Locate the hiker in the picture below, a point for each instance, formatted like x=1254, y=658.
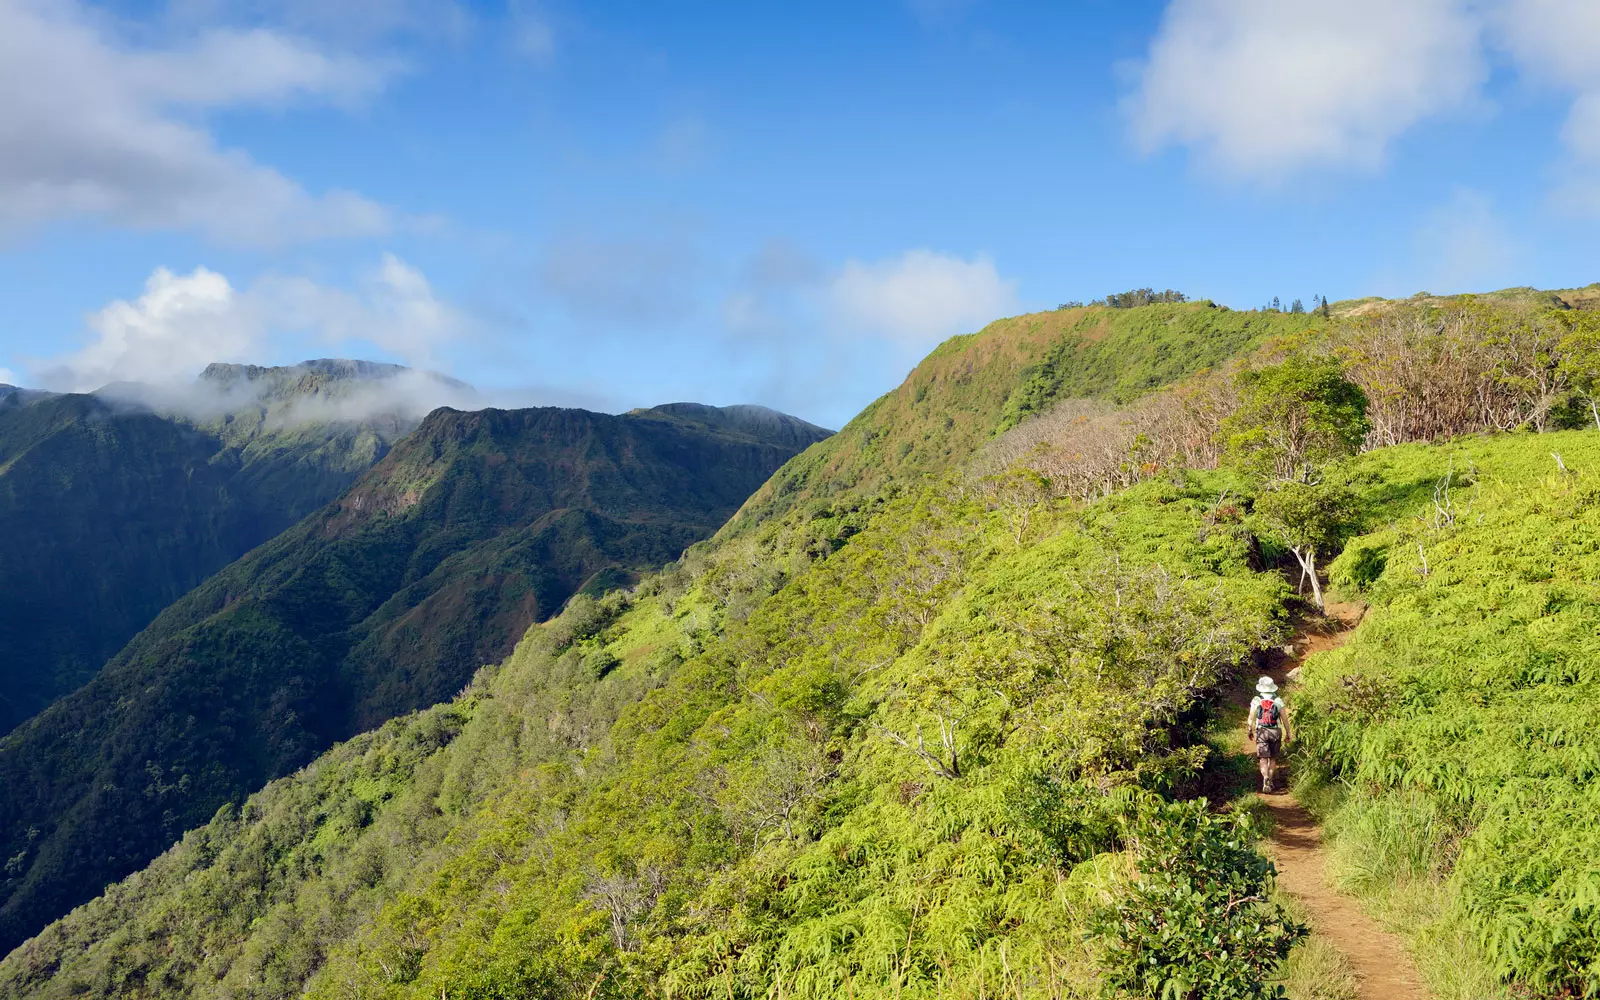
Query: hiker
x=1269, y=728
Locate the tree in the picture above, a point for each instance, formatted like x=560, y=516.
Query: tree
x=1295, y=416
x=1297, y=307
x=1016, y=492
x=1309, y=518
x=1580, y=356
x=1143, y=297
x=1326, y=312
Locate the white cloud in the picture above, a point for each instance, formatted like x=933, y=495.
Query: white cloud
x=395, y=310
x=1555, y=41
x=183, y=322
x=921, y=297
x=345, y=20
x=92, y=127
x=684, y=144
x=1264, y=87
x=7, y=377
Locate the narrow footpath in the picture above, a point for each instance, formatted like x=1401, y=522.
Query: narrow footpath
x=1380, y=961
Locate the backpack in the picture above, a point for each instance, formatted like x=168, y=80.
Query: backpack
x=1269, y=713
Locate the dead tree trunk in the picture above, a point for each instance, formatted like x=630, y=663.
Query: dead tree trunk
x=1306, y=556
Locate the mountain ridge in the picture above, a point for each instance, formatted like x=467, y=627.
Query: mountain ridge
x=387, y=599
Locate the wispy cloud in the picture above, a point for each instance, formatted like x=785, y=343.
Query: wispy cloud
x=647, y=280
x=94, y=127
x=182, y=322
x=1464, y=245
x=531, y=33
x=1556, y=42
x=939, y=13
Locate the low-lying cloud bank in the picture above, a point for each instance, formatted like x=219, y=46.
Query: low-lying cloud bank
x=326, y=390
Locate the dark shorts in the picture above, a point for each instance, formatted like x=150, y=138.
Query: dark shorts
x=1268, y=741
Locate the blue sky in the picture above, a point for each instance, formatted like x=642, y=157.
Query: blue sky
x=619, y=204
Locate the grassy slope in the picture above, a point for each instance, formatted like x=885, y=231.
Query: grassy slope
x=1452, y=738
x=459, y=850
x=389, y=865
x=971, y=386
x=385, y=601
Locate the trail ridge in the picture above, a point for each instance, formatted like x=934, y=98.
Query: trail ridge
x=1383, y=968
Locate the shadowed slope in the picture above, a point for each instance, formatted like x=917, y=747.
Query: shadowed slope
x=433, y=563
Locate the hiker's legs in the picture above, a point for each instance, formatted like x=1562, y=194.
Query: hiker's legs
x=1266, y=773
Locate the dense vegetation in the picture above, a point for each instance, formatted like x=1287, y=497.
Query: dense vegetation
x=111, y=511
x=385, y=601
x=1454, y=734
x=925, y=719
x=891, y=777
x=952, y=404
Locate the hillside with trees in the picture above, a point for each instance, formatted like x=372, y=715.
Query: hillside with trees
x=115, y=504
x=933, y=714
x=384, y=601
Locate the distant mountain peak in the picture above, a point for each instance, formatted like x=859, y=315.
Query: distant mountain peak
x=18, y=394
x=340, y=369
x=745, y=418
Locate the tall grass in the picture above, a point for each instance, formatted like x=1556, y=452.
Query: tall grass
x=1450, y=744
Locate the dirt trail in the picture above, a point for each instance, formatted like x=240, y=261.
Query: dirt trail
x=1380, y=961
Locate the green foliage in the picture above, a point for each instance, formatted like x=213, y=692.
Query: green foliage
x=740, y=802
x=1199, y=920
x=881, y=737
x=383, y=602
x=1310, y=518
x=1143, y=297
x=1459, y=714
x=1295, y=416
x=1123, y=353
x=110, y=513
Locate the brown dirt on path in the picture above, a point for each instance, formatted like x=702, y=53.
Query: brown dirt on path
x=1381, y=964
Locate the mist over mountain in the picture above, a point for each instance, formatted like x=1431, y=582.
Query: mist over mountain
x=115, y=503
x=243, y=398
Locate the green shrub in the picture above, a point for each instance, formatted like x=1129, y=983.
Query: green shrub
x=1199, y=920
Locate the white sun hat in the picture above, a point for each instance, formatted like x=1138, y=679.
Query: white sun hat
x=1266, y=685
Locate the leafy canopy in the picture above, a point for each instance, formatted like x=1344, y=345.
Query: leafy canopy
x=1295, y=416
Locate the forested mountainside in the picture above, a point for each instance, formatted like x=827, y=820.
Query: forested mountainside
x=928, y=720
x=387, y=600
x=114, y=505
